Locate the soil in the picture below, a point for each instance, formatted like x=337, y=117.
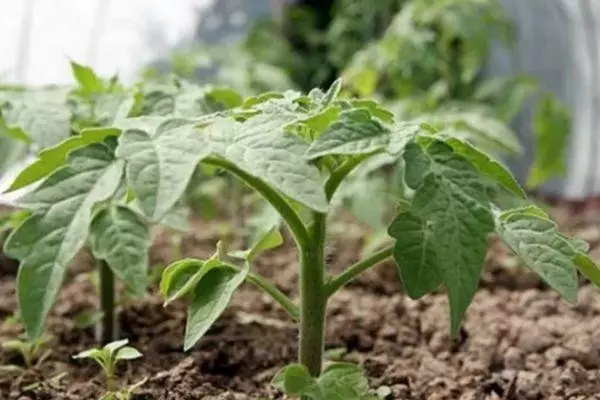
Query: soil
x=519, y=340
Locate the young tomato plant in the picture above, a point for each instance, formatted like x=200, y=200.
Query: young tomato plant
x=108, y=357
x=296, y=151
x=76, y=193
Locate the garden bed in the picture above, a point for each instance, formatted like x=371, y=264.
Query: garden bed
x=519, y=341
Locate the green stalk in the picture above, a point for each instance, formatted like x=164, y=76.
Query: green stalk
x=313, y=298
x=111, y=384
x=289, y=215
x=355, y=270
x=338, y=176
x=269, y=288
x=108, y=324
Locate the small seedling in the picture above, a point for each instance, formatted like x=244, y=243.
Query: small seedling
x=30, y=351
x=108, y=357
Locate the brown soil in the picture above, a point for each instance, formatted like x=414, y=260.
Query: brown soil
x=519, y=341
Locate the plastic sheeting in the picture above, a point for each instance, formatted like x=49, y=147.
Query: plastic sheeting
x=559, y=44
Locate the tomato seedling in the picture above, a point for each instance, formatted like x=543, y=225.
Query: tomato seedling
x=108, y=357
x=296, y=151
x=81, y=196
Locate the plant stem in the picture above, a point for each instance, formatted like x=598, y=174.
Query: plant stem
x=108, y=324
x=289, y=215
x=337, y=177
x=354, y=270
x=272, y=290
x=313, y=299
x=111, y=385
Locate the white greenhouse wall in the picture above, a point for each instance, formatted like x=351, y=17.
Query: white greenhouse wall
x=559, y=43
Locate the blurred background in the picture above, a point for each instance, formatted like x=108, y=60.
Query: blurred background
x=532, y=65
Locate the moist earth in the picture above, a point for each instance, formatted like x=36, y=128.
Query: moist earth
x=519, y=339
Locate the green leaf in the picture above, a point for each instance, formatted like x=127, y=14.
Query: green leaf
x=266, y=240
x=295, y=380
x=91, y=353
x=229, y=98
x=181, y=277
x=537, y=242
x=114, y=346
x=480, y=128
x=402, y=134
x=47, y=241
x=178, y=218
x=578, y=244
x=211, y=296
x=262, y=147
x=450, y=198
x=127, y=353
x=321, y=120
x=14, y=132
x=87, y=78
x=52, y=158
x=487, y=166
x=551, y=129
x=332, y=93
x=160, y=165
x=45, y=122
x=415, y=255
x=121, y=238
x=15, y=345
x=531, y=210
x=374, y=108
x=587, y=267
x=355, y=133
x=343, y=381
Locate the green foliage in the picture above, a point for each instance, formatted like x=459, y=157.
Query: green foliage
x=210, y=284
x=551, y=128
x=339, y=381
x=450, y=198
x=47, y=241
x=30, y=350
x=535, y=238
x=120, y=237
x=53, y=157
x=108, y=357
x=295, y=151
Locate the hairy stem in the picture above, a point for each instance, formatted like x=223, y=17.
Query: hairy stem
x=313, y=299
x=289, y=215
x=338, y=176
x=268, y=287
x=355, y=270
x=107, y=330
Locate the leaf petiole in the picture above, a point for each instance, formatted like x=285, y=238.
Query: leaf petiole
x=269, y=287
x=289, y=215
x=338, y=282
